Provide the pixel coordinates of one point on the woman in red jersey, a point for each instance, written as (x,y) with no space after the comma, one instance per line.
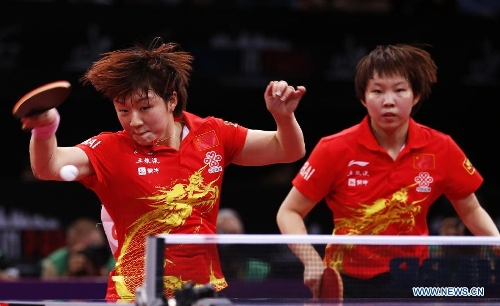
(162,174)
(380,177)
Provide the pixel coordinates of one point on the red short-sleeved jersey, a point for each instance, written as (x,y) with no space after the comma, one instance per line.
(160,190)
(371,194)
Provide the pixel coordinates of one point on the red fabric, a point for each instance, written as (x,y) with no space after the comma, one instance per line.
(371,194)
(159,190)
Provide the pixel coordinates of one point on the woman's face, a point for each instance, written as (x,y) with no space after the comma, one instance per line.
(144,118)
(389,101)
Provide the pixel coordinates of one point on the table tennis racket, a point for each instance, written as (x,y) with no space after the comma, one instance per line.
(41,99)
(331,286)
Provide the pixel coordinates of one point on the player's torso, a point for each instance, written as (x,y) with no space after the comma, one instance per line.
(376,195)
(168,186)
(372,187)
(161,191)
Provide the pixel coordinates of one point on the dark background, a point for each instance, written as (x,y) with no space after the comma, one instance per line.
(238,50)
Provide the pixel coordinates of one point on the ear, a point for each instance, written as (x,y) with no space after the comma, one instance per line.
(416,99)
(363,102)
(172,102)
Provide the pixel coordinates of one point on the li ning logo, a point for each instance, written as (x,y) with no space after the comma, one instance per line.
(424,179)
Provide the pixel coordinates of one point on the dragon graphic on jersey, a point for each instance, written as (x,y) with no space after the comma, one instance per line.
(376,218)
(171,207)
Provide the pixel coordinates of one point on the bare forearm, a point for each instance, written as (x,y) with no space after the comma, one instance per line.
(42,159)
(475,217)
(292,223)
(480,223)
(290,137)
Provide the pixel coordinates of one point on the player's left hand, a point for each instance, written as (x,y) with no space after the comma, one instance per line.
(282,99)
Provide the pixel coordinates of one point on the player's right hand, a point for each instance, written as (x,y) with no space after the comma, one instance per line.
(312,277)
(40,119)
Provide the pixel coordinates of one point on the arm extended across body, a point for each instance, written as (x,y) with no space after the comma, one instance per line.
(46,157)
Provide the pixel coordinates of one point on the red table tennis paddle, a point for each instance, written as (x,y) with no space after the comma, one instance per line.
(331,285)
(41,99)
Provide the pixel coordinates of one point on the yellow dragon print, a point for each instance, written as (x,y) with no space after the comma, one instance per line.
(171,209)
(372,219)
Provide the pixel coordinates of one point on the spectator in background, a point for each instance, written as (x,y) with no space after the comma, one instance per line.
(229,222)
(453,226)
(7,275)
(235,259)
(459,264)
(85,254)
(448,226)
(7,272)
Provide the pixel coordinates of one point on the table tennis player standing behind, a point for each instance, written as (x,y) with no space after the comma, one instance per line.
(380,177)
(163,172)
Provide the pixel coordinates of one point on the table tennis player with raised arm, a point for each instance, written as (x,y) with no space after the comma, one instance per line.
(162,174)
(379,177)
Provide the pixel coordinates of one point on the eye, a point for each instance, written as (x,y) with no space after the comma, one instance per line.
(145,107)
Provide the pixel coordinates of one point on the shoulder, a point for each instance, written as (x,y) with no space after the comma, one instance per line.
(195,121)
(432,135)
(217,129)
(105,139)
(60,254)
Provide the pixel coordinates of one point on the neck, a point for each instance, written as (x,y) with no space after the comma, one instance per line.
(390,139)
(161,141)
(176,134)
